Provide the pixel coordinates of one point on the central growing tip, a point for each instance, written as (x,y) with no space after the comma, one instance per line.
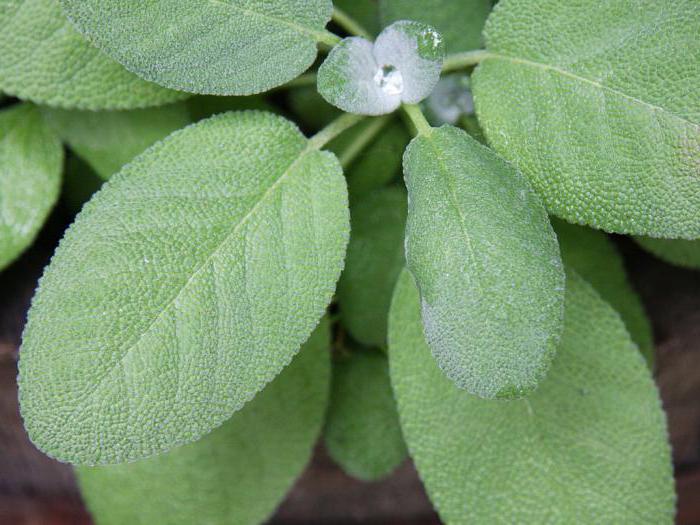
(389,80)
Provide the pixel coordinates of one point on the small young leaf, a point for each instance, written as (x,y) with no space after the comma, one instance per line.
(184,286)
(31,160)
(374,260)
(459,21)
(362,431)
(403,65)
(673,251)
(450,100)
(45,60)
(238,474)
(598,104)
(364,12)
(594,257)
(107,140)
(481,248)
(218,47)
(589,446)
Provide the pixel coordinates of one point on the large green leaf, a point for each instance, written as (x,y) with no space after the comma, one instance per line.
(45,60)
(183,287)
(459,21)
(107,140)
(486,260)
(595,258)
(362,432)
(374,260)
(674,251)
(589,446)
(597,103)
(236,475)
(31,160)
(217,47)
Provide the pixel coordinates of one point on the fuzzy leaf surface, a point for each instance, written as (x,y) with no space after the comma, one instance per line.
(238,474)
(31,162)
(184,286)
(46,61)
(362,432)
(597,104)
(107,140)
(479,243)
(589,446)
(218,47)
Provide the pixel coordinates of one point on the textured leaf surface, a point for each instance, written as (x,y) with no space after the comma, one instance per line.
(486,260)
(459,21)
(183,287)
(362,431)
(598,105)
(402,66)
(374,260)
(674,251)
(236,475)
(218,47)
(45,60)
(595,258)
(31,160)
(107,140)
(589,446)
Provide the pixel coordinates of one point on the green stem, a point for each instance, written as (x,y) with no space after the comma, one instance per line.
(348,23)
(335,128)
(415,115)
(464,60)
(327,39)
(357,146)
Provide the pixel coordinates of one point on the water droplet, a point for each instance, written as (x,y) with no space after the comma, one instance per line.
(389,80)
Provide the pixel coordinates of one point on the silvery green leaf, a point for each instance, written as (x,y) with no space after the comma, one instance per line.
(674,251)
(402,66)
(216,47)
(183,287)
(482,250)
(450,100)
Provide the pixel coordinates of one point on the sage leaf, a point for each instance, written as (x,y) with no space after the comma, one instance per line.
(107,140)
(674,251)
(402,66)
(374,260)
(46,61)
(479,243)
(589,446)
(31,162)
(362,432)
(594,257)
(218,47)
(459,21)
(184,286)
(238,474)
(598,106)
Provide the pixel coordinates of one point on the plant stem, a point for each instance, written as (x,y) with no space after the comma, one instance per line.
(464,60)
(327,39)
(374,127)
(415,115)
(348,23)
(332,130)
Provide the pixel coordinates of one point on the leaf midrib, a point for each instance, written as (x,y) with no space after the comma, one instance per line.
(523,61)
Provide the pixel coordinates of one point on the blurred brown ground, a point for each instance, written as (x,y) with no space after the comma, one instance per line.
(35,490)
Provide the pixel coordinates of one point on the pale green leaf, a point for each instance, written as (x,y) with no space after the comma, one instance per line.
(481,248)
(589,446)
(459,21)
(597,104)
(374,260)
(45,60)
(362,432)
(107,140)
(595,258)
(183,287)
(238,474)
(364,12)
(674,251)
(402,66)
(217,47)
(31,160)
